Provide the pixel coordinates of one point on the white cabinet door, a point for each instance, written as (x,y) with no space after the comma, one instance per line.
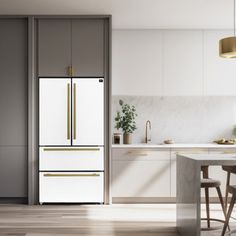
(54,111)
(140,173)
(183,63)
(220,72)
(141,179)
(137,62)
(88,111)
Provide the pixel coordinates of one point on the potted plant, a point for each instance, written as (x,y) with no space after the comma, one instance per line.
(126,121)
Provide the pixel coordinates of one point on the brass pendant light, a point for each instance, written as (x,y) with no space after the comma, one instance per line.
(227,46)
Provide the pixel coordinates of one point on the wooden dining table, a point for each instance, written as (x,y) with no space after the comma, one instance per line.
(188,178)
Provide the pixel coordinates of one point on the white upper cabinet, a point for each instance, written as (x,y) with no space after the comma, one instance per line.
(171,63)
(220,73)
(137,62)
(182,63)
(54,111)
(88,111)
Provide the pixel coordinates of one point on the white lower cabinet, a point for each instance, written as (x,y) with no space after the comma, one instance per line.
(74,187)
(140,173)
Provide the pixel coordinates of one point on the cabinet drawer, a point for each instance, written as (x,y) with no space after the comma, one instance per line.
(71,158)
(71,187)
(140,154)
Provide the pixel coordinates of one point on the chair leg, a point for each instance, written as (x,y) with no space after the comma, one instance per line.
(207,206)
(227,191)
(231,206)
(221,202)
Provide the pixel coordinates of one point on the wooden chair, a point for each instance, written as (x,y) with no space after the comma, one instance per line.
(207,183)
(229,189)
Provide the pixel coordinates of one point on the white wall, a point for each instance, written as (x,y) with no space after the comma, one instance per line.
(171,63)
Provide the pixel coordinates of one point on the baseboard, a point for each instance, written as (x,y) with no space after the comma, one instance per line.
(13,200)
(141,200)
(152,200)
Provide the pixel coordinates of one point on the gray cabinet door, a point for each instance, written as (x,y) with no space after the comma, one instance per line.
(13,107)
(13,171)
(88,47)
(54,47)
(13,82)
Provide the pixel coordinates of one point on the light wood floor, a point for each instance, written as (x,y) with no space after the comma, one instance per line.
(91,220)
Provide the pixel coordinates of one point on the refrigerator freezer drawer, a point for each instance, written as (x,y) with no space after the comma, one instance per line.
(71,187)
(71,158)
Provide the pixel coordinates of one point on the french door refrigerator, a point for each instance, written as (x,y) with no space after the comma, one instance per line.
(71,140)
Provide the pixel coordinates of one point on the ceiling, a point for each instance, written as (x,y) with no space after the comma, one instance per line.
(135,14)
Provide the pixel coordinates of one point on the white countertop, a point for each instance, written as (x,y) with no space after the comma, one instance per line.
(179,145)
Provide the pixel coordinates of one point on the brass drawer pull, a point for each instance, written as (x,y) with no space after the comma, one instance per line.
(138,153)
(71,175)
(229,152)
(71,149)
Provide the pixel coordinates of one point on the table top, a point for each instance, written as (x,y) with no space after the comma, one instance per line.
(211,159)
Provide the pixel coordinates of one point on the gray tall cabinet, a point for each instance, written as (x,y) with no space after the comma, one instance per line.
(13,108)
(43,46)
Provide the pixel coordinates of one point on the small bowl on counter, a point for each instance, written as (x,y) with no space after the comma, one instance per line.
(224,141)
(168,141)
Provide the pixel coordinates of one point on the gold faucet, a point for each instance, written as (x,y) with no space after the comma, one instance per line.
(148,124)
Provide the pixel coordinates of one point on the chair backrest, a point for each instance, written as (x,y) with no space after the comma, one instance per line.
(230,169)
(204,170)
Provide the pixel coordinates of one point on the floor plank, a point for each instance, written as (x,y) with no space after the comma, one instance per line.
(90,220)
(94,220)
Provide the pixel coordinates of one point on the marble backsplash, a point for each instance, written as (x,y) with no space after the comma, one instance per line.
(182,119)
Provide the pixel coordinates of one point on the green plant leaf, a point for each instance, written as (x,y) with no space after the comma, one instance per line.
(126,118)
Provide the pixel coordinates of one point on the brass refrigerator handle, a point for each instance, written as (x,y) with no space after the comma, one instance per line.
(71,149)
(68,111)
(74,133)
(71,175)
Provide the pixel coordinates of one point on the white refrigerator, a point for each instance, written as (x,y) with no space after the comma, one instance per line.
(71,140)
